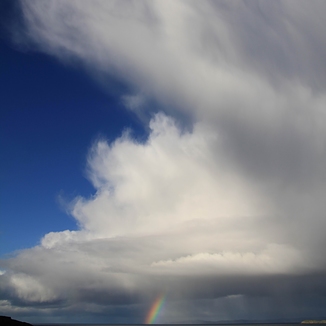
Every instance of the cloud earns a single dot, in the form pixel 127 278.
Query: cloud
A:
pixel 230 209
pixel 163 209
pixel 133 102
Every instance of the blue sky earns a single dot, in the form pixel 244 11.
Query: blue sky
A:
pixel 158 149
pixel 51 114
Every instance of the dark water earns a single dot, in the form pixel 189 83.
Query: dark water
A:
pixel 210 324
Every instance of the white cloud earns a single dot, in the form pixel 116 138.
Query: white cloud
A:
pixel 153 187
pixel 30 289
pixel 275 259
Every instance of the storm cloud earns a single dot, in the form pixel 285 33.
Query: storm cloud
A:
pixel 224 215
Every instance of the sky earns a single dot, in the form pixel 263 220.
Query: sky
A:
pixel 163 160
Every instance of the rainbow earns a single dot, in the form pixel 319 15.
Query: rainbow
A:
pixel 155 309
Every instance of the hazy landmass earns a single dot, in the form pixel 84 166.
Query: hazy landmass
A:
pixel 313 321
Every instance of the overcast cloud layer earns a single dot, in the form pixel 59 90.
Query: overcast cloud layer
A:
pixel 225 217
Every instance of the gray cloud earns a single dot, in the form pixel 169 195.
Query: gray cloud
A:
pixel 227 214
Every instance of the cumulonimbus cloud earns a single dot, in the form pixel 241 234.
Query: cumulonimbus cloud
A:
pixel 238 196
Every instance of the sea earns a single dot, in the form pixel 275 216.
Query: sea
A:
pixel 208 324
